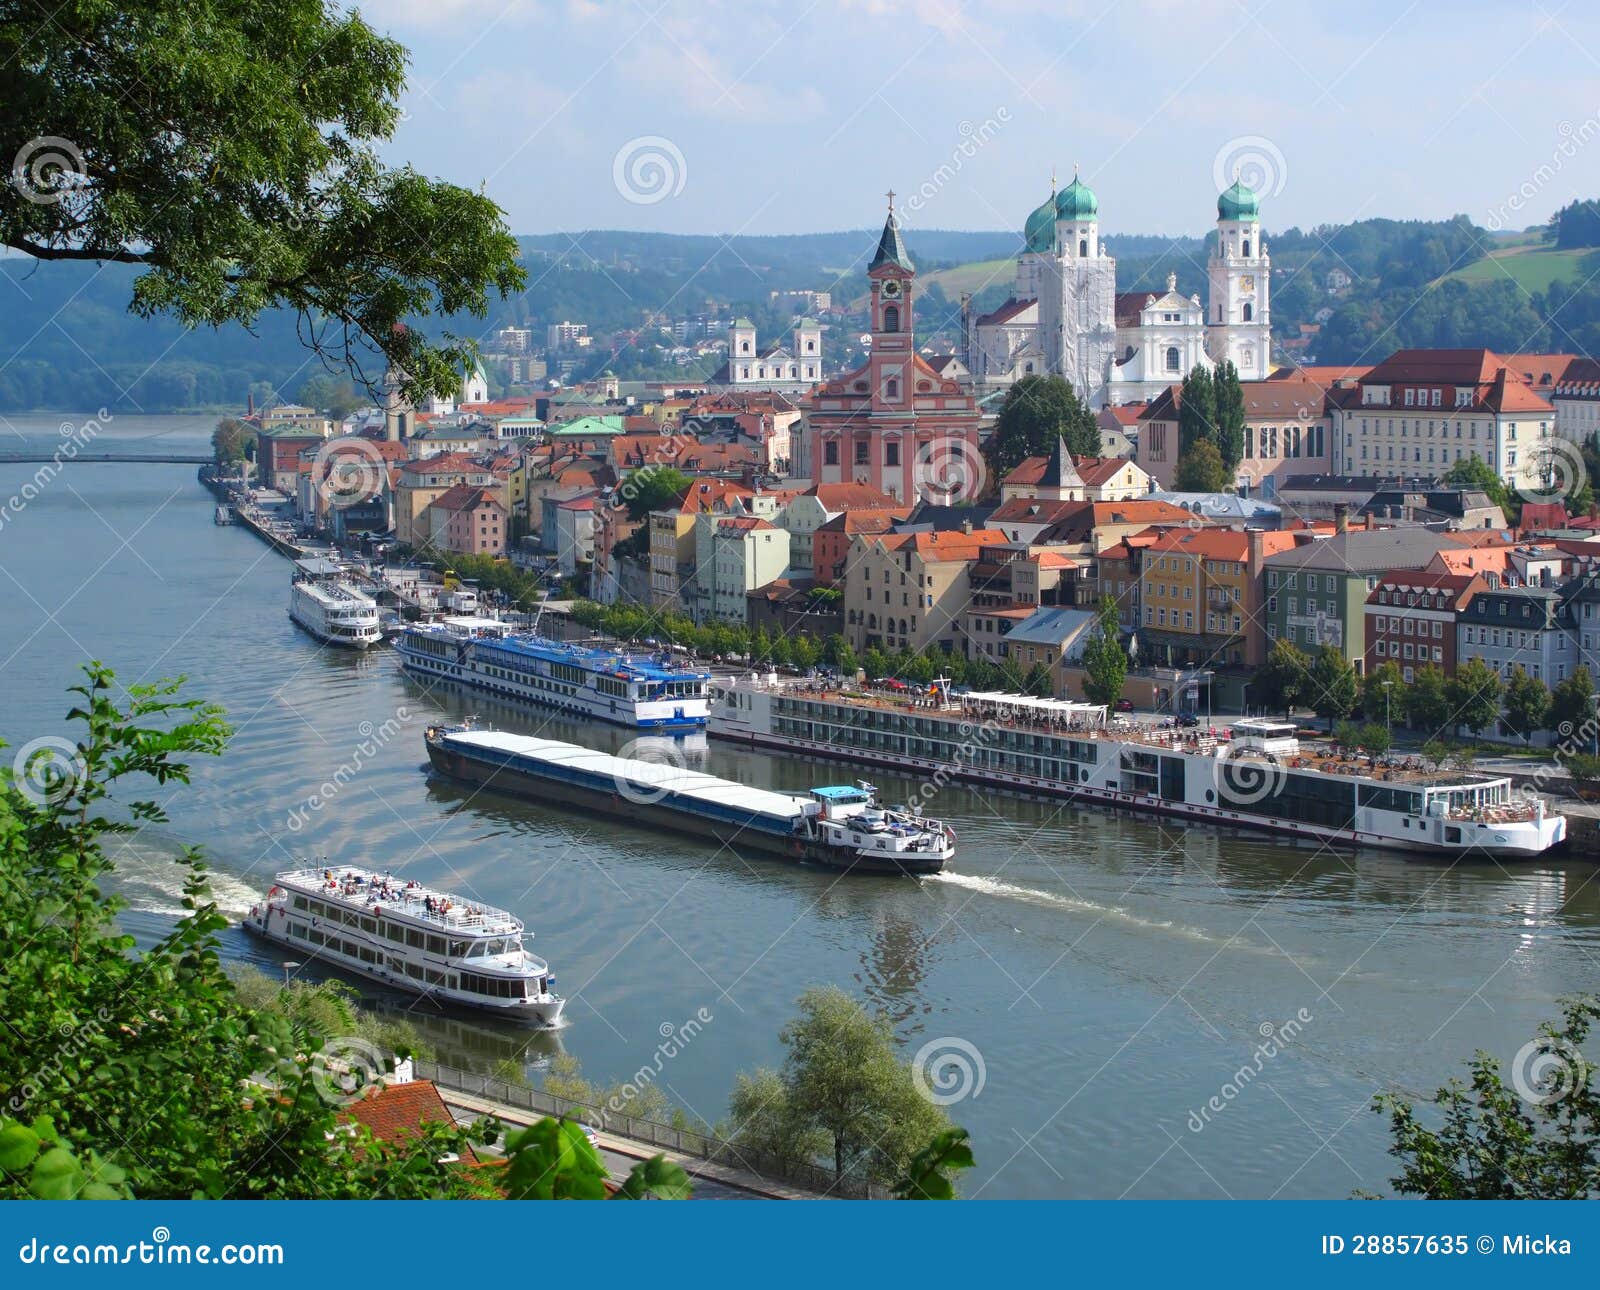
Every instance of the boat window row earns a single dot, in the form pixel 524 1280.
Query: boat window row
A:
pixel 1309 799
pixel 499 987
pixel 1381 797
pixel 403 934
pixel 435 645
pixel 997 758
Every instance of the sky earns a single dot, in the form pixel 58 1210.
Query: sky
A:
pixel 717 117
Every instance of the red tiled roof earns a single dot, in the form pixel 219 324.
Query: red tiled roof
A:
pixel 395 1112
pixel 464 497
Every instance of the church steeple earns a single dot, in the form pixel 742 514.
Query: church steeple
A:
pixel 891 250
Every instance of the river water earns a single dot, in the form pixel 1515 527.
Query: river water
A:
pixel 1104 978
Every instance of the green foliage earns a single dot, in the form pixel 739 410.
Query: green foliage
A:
pixel 653 488
pixel 335 395
pixel 232 442
pixel 1347 734
pixel 1332 689
pixel 1474 694
pixel 1229 395
pixel 1283 680
pixel 930 1175
pixel 328 1008
pixel 1038 682
pixel 242 184
pixel 36 1163
pixel 1427 702
pixel 1474 472
pixel 1571 711
pixel 1378 704
pixel 1436 752
pixel 1036 413
pixel 1374 739
pixel 1584 768
pixel 1105 662
pixel 843 1093
pixel 1577 224
pixel 1201 470
pixel 1535 1140
pixel 1197 415
pixel 1527 704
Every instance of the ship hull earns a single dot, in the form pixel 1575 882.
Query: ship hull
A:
pixel 319 634
pixel 1513 842
pixel 544 1013
pixel 739 836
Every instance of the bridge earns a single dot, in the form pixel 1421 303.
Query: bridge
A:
pixel 61 459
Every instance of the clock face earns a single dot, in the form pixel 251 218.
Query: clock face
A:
pixel 1247 283
pixel 891 288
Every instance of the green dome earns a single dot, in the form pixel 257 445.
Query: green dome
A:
pixel 1239 202
pixel 1040 230
pixel 1077 201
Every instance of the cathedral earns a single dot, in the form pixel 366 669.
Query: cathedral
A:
pixel 1066 317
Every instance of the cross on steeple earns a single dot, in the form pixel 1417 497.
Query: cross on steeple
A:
pixel 890 195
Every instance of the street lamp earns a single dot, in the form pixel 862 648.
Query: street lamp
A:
pixel 1387 686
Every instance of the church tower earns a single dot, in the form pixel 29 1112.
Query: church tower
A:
pixel 1239 322
pixel 891 279
pixel 1077 297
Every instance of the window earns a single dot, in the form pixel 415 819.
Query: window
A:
pixel 1173 358
pixel 1083 246
pixel 891 453
pixel 1249 312
pixel 891 388
pixel 830 453
pixel 891 318
pixel 863 450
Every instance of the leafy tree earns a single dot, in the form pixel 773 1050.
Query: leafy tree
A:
pixel 1474 472
pixel 1105 662
pixel 1374 740
pixel 929 1176
pixel 241 183
pixel 1427 702
pixel 330 393
pixel 1475 695
pixel 232 442
pixel 1283 680
pixel 1036 413
pixel 804 652
pixel 1331 685
pixel 1347 734
pixel 1436 752
pixel 1527 704
pixel 1197 413
pixel 1229 396
pixel 1584 769
pixel 1201 470
pixel 1038 682
pixel 1534 1140
pixel 1384 704
pixel 876 663
pixel 653 488
pixel 843 1089
pixel 1571 715
pixel 841 655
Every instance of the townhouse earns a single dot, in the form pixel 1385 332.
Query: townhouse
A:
pixel 910 590
pixel 1411 619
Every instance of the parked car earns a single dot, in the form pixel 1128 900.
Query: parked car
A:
pixel 1187 721
pixel 1124 705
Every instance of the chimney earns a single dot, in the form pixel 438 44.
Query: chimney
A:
pixel 966 526
pixel 1341 517
pixel 1258 549
pixel 250 403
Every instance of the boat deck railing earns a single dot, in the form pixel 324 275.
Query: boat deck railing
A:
pixel 411 899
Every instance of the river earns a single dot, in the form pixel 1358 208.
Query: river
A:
pixel 1105 979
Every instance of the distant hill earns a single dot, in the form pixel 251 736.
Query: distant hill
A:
pixel 73 343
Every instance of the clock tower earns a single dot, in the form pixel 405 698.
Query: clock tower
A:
pixel 894 423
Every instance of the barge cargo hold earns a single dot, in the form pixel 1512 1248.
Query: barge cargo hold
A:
pixel 841 827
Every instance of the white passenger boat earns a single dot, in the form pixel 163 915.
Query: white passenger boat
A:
pixel 411 937
pixel 1255 774
pixel 324 604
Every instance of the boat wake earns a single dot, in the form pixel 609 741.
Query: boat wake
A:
pixel 152 883
pixel 1105 913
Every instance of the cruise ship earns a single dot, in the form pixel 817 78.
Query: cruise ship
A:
pixel 1256 775
pixel 840 826
pixel 411 937
pixel 331 609
pixel 645 692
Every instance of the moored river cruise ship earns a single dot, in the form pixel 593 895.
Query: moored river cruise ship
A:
pixel 649 692
pixel 414 938
pixel 1261 777
pixel 328 607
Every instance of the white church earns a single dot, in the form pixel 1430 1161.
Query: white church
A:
pixel 1067 318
